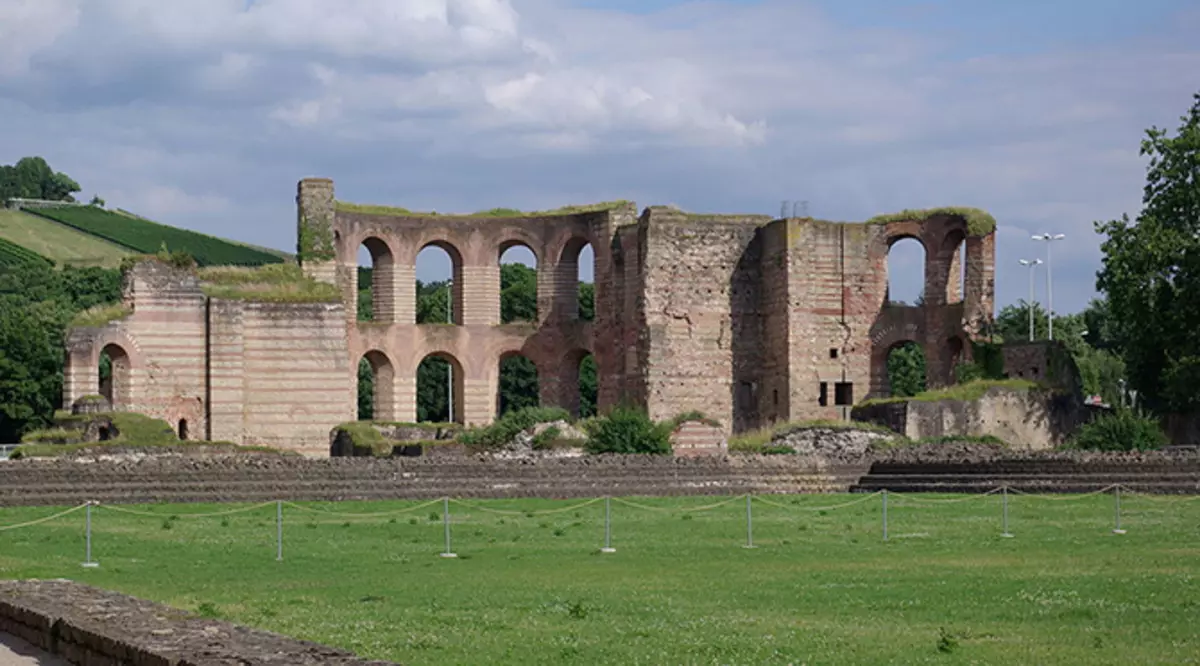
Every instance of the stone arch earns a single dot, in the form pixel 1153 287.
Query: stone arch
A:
pixel 514 309
pixel 898 293
pixel 565 277
pixel 116 387
pixel 909 359
pixel 456 305
pixel 571 374
pixel 383 280
pixel 944 272
pixel 382 385
pixel 454 378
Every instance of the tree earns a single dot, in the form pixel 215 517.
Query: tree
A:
pixel 37 303
pixel 906 369
pixel 518 293
pixel 32 178
pixel 1151 273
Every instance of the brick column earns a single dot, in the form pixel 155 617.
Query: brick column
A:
pixel 315 213
pixel 404 286
pixel 405 396
pixel 477 295
pixel 226 363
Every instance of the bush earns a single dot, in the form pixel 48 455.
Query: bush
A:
pixel 507 427
pixel 1122 430
pixel 626 430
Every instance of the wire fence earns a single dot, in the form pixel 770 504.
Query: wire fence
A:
pixel 883 497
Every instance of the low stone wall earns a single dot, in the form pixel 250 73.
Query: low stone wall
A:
pixel 1033 420
pixel 263 478
pixel 85 626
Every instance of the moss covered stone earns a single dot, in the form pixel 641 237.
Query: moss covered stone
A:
pixel 979 222
pixel 271 283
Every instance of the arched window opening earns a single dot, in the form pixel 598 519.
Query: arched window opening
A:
pixel 440 389
pixel 114 376
pixel 906 370
pixel 587 386
pixel 576 271
pixel 906 272
pixel 518 384
pixel 376 382
pixel 376 281
pixel 962 270
pixel 183 429
pixel 439 285
pixel 518 284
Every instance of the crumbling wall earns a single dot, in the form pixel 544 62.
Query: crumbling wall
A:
pixel 703 348
pixel 1033 419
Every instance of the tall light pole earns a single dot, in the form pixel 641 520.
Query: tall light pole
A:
pixel 449 364
pixel 1032 264
pixel 1049 238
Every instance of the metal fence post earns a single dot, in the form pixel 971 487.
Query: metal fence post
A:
pixel 278 530
pixel 885 525
pixel 607 527
pixel 446 523
pixel 1004 492
pixel 749 522
pixel 88 563
pixel 1117 510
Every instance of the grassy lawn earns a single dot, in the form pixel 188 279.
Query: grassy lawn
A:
pixel 58 241
pixel 821 587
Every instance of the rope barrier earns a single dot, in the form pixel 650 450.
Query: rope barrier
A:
pixel 156 514
pixel 544 512
pixel 376 514
pixel 706 507
pixel 47 519
pixel 955 500
pixel 1069 498
pixel 1160 498
pixel 864 498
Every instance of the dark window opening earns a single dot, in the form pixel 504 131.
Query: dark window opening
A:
pixel 843 393
pixel 183 429
pixel 1034 372
pixel 823 400
pixel 775 397
pixel 104 434
pixel 833 353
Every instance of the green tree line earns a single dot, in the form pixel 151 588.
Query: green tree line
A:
pixel 32 178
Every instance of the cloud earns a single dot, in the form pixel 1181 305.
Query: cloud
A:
pixel 206 112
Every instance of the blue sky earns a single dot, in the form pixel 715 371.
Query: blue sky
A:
pixel 205 113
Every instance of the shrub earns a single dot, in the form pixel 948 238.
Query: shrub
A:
pixel 626 430
pixel 507 427
pixel 1122 430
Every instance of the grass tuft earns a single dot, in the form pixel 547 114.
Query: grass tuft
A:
pixel 271 283
pixel 979 222
pixel 100 315
pixel 970 391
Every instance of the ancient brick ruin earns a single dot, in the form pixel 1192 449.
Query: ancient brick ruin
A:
pixel 748 319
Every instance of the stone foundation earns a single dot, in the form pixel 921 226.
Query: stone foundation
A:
pixel 89 626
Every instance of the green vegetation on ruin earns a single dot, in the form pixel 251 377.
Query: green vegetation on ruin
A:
pixel 396 211
pixel 973 390
pixel 694 416
pixel 271 283
pixel 821 587
pixel 979 222
pixel 100 315
pixel 134 432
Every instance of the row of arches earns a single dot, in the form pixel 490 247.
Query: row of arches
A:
pixel 440 387
pixel 440 296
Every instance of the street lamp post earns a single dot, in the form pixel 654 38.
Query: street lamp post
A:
pixel 449 365
pixel 1049 238
pixel 1032 264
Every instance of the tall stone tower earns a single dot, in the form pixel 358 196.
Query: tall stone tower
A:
pixel 315 236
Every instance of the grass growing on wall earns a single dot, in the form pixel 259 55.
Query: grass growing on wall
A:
pixel 973 390
pixel 759 441
pixel 100 315
pixel 979 222
pixel 372 209
pixel 273 283
pixel 821 587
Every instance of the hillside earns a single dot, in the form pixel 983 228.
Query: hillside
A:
pixel 59 243
pixel 144 236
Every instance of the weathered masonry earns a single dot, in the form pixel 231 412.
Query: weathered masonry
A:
pixel 748 319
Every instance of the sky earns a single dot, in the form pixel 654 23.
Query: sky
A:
pixel 205 113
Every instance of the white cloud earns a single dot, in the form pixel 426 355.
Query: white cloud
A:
pixel 468 104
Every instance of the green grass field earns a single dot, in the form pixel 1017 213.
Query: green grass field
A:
pixel 58 242
pixel 821 587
